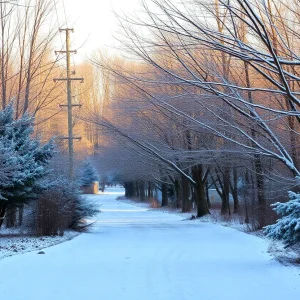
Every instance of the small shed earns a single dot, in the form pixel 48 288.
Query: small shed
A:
pixel 91 189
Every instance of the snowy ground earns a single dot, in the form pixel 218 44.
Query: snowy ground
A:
pixel 12 243
pixel 133 253
pixel 287 256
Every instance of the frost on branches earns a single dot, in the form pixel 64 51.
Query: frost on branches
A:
pixel 287 228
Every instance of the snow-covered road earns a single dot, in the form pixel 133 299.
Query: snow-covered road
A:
pixel 135 254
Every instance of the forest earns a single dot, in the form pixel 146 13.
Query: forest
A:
pixel 206 98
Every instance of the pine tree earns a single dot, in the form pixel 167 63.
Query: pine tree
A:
pixel 287 228
pixel 9 165
pixel 89 174
pixel 29 160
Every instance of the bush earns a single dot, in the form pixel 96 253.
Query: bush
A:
pixel 83 209
pixel 61 206
pixel 287 228
pixel 54 213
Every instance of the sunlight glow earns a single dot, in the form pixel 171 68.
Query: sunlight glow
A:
pixel 94 22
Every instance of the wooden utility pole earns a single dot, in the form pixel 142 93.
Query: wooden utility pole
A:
pixel 70 105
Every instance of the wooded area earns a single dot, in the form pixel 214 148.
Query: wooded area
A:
pixel 202 100
pixel 206 97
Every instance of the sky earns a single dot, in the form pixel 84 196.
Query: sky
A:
pixel 94 22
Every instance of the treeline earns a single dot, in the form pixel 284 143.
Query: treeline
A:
pixel 209 99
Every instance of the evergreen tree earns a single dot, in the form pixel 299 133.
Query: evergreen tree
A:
pixel 89 174
pixel 9 165
pixel 29 159
pixel 287 228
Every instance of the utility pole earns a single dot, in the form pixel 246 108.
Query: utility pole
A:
pixel 69 105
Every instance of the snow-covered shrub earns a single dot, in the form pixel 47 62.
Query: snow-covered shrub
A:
pixel 84 208
pixel 61 206
pixel 287 228
pixel 88 174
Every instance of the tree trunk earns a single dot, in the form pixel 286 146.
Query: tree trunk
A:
pixel 225 209
pixel 234 192
pixel 185 194
pixel 207 195
pixel 150 189
pixel 260 193
pixel 178 194
pixel 142 190
pixel 164 192
pixel 102 186
pixel 129 189
pixel 2 213
pixel 21 212
pixel 199 190
pixel 257 163
pixel 11 218
pixel 201 202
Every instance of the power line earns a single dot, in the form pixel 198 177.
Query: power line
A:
pixel 64 9
pixel 61 40
pixel 66 20
pixel 58 23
